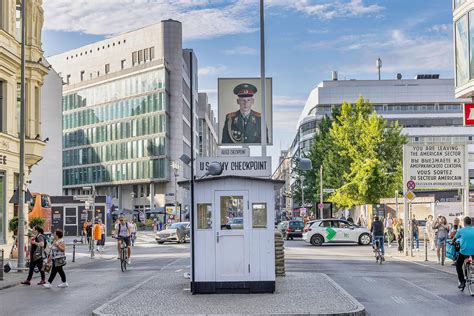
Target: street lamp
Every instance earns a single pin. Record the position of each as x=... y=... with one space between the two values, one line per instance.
x=175 y=166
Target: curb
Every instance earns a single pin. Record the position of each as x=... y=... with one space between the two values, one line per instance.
x=360 y=309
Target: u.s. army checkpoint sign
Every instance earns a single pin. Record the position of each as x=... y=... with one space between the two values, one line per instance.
x=437 y=166
x=260 y=167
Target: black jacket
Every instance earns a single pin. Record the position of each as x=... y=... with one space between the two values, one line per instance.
x=377 y=228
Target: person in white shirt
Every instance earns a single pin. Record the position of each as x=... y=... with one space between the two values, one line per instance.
x=133 y=231
x=123 y=232
x=430 y=232
x=389 y=227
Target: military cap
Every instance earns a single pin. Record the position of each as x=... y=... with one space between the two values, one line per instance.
x=245 y=90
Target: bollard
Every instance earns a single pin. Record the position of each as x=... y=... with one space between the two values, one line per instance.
x=426 y=248
x=74 y=250
x=2 y=264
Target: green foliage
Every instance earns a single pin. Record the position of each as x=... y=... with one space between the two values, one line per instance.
x=37 y=221
x=13 y=224
x=361 y=157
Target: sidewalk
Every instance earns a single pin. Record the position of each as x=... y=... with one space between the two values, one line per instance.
x=83 y=257
x=296 y=294
x=419 y=258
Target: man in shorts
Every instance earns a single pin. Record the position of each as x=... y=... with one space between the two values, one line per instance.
x=123 y=232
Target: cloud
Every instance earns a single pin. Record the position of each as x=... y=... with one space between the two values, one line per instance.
x=288 y=102
x=286 y=120
x=200 y=18
x=211 y=70
x=241 y=50
x=330 y=9
x=441 y=28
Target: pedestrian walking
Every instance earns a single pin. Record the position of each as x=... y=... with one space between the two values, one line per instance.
x=161 y=225
x=97 y=234
x=442 y=231
x=350 y=219
x=37 y=254
x=155 y=225
x=133 y=231
x=415 y=235
x=389 y=228
x=102 y=229
x=58 y=259
x=430 y=232
x=400 y=234
x=453 y=230
x=89 y=227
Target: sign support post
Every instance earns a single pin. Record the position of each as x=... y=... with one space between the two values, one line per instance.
x=262 y=76
x=405 y=210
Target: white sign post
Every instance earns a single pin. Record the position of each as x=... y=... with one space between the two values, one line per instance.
x=435 y=167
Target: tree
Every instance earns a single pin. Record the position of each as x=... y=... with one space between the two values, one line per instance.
x=372 y=151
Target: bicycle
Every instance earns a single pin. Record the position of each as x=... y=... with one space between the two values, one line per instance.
x=379 y=258
x=467 y=267
x=123 y=254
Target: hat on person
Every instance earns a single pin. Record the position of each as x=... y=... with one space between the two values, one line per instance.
x=244 y=90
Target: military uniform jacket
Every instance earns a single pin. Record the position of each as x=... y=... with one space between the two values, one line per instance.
x=238 y=129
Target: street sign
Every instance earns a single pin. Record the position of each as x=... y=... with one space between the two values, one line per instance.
x=329 y=190
x=438 y=166
x=411 y=185
x=410 y=196
x=82 y=197
x=469 y=114
x=233 y=152
x=321 y=206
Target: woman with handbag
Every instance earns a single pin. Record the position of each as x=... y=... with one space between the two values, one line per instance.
x=37 y=254
x=58 y=257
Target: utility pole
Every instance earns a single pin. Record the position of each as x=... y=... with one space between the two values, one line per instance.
x=21 y=177
x=321 y=189
x=302 y=191
x=263 y=79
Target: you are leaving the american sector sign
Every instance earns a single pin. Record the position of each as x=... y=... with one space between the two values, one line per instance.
x=435 y=166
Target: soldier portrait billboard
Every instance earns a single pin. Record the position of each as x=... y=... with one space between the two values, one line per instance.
x=240 y=111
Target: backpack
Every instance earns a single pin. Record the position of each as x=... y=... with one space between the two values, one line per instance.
x=120 y=226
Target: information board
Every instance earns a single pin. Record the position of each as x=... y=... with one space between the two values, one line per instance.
x=439 y=166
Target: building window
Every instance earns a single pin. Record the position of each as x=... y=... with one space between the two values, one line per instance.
x=134 y=58
x=18 y=20
x=152 y=53
x=146 y=54
x=140 y=56
x=2 y=15
x=82 y=75
x=3 y=215
x=3 y=104
x=122 y=64
x=37 y=111
x=462 y=51
x=18 y=106
x=107 y=68
x=68 y=79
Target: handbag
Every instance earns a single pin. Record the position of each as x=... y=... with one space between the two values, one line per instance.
x=47 y=267
x=39 y=254
x=59 y=262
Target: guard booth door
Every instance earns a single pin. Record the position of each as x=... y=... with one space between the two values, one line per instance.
x=232 y=235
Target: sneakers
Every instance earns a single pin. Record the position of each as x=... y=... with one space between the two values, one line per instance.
x=129 y=261
x=63 y=285
x=26 y=282
x=42 y=282
x=47 y=285
x=389 y=246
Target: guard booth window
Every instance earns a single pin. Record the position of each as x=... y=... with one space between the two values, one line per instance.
x=232 y=212
x=259 y=215
x=204 y=216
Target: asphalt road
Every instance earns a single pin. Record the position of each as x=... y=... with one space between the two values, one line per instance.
x=393 y=288
x=94 y=283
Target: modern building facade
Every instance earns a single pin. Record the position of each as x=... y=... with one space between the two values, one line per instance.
x=10 y=87
x=47 y=177
x=127 y=115
x=463 y=19
x=425 y=107
x=207 y=128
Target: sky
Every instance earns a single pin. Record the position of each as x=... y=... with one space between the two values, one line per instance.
x=305 y=41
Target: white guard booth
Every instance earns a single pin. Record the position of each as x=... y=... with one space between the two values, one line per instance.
x=234 y=234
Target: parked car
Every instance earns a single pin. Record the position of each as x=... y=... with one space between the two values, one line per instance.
x=235 y=223
x=294 y=229
x=177 y=232
x=336 y=231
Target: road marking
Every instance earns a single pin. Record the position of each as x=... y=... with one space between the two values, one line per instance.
x=428 y=292
x=369 y=280
x=423 y=265
x=399 y=300
x=179 y=270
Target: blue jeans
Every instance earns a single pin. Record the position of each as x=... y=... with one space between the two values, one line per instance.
x=415 y=237
x=381 y=245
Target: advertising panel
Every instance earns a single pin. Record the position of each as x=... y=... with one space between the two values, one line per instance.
x=437 y=166
x=469 y=114
x=240 y=111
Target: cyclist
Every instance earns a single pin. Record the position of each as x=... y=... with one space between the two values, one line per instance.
x=377 y=231
x=123 y=231
x=466 y=239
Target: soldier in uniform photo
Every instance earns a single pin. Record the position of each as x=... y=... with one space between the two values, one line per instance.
x=244 y=125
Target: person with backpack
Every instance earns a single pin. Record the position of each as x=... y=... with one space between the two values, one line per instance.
x=58 y=258
x=123 y=232
x=37 y=254
x=414 y=230
x=89 y=234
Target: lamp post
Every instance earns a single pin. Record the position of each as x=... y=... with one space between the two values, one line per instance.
x=132 y=196
x=175 y=166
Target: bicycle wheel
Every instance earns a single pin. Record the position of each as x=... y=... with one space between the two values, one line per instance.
x=468 y=274
x=123 y=261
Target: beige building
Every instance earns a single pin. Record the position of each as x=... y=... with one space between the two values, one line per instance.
x=10 y=78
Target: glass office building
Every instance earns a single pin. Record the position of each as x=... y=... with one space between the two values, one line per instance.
x=116 y=131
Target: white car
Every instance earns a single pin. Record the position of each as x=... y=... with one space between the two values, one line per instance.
x=336 y=231
x=177 y=232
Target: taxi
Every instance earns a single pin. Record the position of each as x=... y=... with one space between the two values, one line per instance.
x=335 y=231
